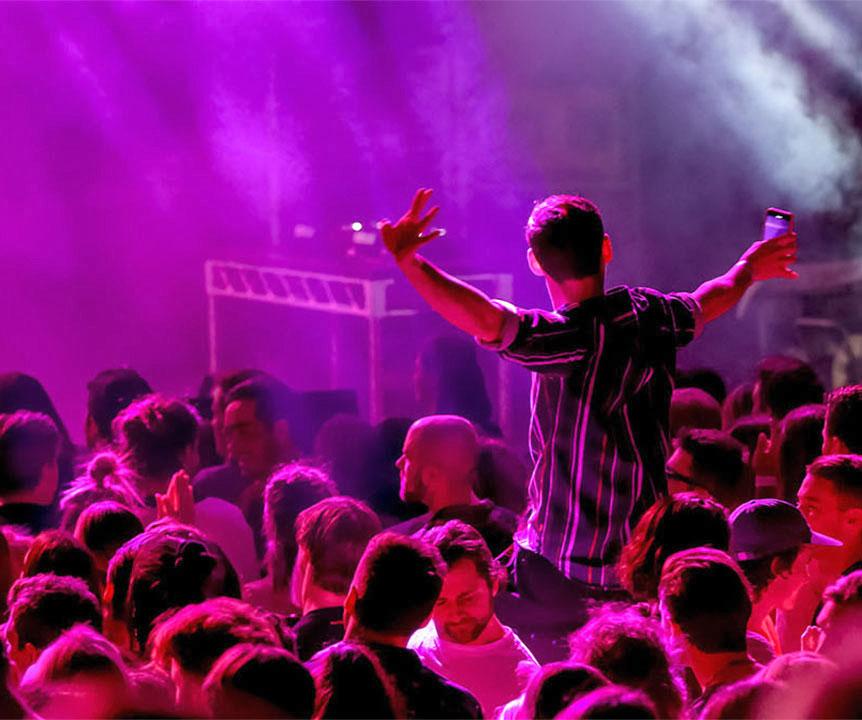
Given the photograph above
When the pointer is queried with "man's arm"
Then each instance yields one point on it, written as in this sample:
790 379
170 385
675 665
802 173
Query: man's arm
464 306
764 260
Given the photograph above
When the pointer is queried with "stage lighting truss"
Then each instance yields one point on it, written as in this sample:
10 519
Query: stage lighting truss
370 299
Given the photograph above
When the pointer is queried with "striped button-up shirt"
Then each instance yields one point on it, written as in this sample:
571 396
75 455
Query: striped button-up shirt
602 383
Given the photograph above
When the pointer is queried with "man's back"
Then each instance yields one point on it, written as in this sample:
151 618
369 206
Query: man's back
426 694
603 378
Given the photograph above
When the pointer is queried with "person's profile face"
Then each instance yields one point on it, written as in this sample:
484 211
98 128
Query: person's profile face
410 471
249 442
819 504
465 606
680 474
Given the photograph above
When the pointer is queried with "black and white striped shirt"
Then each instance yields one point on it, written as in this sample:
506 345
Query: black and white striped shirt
602 383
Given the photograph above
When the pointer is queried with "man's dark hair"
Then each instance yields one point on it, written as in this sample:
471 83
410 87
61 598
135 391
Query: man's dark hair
28 442
800 441
155 431
107 525
111 392
720 460
456 541
290 490
706 379
195 636
749 428
555 685
227 381
787 383
335 533
273 400
845 474
351 683
738 404
250 677
844 416
846 591
672 524
398 581
566 233
750 699
708 597
43 606
693 408
611 703
628 646
58 553
24 392
170 572
760 572
80 649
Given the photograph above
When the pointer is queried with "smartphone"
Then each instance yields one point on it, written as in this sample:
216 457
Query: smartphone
777 222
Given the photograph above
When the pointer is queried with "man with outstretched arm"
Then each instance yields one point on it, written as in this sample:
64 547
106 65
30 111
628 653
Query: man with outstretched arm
603 365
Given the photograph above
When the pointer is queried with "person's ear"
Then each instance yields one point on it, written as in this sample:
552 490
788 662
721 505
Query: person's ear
834 446
281 430
777 571
26 657
853 517
533 263
350 604
91 433
607 250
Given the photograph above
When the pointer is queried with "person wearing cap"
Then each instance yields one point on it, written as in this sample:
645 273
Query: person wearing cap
770 539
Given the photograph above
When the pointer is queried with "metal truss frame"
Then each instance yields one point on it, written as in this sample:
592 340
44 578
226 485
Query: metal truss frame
363 298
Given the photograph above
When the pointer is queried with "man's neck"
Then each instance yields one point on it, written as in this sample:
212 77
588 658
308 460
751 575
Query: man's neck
573 291
759 612
707 667
468 497
316 598
25 498
370 637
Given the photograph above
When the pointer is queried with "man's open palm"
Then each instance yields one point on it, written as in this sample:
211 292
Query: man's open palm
406 236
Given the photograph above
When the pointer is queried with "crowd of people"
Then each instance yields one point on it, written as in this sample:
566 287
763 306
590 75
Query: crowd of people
675 551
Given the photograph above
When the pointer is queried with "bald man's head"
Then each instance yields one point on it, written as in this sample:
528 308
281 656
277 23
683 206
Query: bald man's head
438 464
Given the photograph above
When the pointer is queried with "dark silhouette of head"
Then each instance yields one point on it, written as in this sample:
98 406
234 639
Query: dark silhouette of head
674 523
566 236
108 394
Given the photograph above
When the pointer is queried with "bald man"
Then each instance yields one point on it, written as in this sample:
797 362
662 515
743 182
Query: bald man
438 469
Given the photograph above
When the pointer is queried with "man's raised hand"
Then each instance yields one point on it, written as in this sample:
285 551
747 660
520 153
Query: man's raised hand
768 259
407 235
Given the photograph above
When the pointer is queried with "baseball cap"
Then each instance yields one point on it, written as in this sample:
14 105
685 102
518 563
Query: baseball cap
767 526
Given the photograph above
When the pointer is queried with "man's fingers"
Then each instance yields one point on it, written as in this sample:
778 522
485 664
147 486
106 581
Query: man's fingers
419 199
424 222
433 235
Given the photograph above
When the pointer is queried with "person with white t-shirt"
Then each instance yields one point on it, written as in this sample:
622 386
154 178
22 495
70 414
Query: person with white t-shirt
465 642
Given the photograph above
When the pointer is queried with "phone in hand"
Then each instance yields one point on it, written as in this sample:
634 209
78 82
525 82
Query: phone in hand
777 222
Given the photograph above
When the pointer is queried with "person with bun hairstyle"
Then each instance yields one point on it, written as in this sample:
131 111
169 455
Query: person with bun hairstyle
106 478
171 572
157 437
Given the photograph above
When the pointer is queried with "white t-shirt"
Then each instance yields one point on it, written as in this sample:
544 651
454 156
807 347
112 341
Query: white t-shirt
495 673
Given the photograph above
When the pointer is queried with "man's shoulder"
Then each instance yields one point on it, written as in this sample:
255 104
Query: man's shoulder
411 526
428 692
216 481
